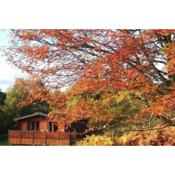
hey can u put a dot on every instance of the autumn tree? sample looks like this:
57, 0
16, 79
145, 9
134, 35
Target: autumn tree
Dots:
103, 67
16, 103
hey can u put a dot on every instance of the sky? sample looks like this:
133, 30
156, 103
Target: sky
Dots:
8, 73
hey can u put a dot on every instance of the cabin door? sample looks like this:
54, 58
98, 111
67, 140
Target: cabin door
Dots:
33, 125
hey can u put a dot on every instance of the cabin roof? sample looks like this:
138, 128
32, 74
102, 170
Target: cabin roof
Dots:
31, 115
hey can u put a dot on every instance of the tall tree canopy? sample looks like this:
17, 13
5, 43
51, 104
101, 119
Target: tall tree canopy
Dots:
112, 73
13, 105
2, 97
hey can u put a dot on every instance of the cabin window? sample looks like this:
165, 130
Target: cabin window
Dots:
33, 126
28, 126
52, 126
55, 127
37, 125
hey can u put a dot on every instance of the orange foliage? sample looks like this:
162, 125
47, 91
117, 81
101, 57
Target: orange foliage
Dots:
164, 137
94, 62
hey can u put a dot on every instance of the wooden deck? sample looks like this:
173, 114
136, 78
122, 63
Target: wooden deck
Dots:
17, 137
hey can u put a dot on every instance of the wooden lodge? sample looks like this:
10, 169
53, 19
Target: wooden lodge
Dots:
37, 129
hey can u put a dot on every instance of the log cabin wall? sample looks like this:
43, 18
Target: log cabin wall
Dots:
43, 123
23, 125
40, 122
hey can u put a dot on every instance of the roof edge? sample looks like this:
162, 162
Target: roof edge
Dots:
31, 115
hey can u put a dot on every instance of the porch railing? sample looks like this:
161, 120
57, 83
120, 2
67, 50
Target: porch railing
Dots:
18, 137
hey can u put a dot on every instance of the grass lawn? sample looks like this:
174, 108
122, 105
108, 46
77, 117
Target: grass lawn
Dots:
3, 139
